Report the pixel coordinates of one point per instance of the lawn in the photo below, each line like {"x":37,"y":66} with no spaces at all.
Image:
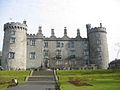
{"x":99,"y":79}
{"x":6,"y":76}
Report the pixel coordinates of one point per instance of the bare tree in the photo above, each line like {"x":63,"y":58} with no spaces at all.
{"x":118,"y":49}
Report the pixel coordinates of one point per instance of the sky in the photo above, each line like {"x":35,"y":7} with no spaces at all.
{"x":58,"y":14}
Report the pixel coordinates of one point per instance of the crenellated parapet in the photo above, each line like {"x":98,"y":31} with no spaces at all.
{"x":95,"y":29}
{"x":31,"y":35}
{"x":15,"y":25}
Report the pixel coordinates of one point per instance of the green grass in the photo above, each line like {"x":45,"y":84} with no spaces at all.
{"x":6,"y":76}
{"x":100,"y":79}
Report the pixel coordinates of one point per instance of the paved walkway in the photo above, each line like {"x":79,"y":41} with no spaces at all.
{"x":39,"y":80}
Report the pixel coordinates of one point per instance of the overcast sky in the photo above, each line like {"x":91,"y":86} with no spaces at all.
{"x":60,"y":13}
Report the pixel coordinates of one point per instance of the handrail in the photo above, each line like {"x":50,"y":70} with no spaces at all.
{"x":31,"y":72}
{"x":57,"y":86}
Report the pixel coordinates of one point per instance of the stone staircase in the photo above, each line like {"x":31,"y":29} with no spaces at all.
{"x":45,"y":78}
{"x":39,"y":80}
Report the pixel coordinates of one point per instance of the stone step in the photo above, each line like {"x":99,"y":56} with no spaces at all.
{"x":42,"y":72}
{"x":40,"y":83}
{"x":41,"y":78}
{"x":33,"y":87}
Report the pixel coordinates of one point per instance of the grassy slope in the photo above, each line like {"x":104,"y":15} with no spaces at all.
{"x":6,"y":76}
{"x":100,"y":79}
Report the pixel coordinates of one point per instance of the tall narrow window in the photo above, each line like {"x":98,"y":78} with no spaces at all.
{"x":68,"y":45}
{"x":12,"y":40}
{"x":72,"y":54}
{"x":32,"y":42}
{"x":72,"y":44}
{"x":45,"y":52}
{"x":58,"y":44}
{"x":62,"y":44}
{"x":11,"y":55}
{"x":46,"y":44}
{"x":58,"y":54}
{"x":32,"y":55}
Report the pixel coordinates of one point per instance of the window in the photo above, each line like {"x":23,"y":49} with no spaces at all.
{"x":12,"y":40}
{"x":58,"y":52}
{"x":97,"y":35}
{"x":45,"y":53}
{"x":72,"y":56}
{"x":71,"y":44}
{"x":68,"y":45}
{"x":62,"y":44}
{"x":86,"y":57}
{"x":72,"y":52}
{"x":98,"y":41}
{"x":99,"y":58}
{"x":32,"y":42}
{"x":11,"y":55}
{"x":58,"y":44}
{"x":86,"y":53}
{"x":12,"y":32}
{"x":46,"y":44}
{"x":86,"y":45}
{"x":99,"y":49}
{"x":32,"y":55}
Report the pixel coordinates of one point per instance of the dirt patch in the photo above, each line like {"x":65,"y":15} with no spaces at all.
{"x":78,"y":82}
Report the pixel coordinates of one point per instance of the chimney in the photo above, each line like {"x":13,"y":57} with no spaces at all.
{"x":100,"y":24}
{"x":24,"y":22}
{"x":65,"y":31}
{"x":52,"y":32}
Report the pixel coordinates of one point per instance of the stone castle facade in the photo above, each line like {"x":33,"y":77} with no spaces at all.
{"x":25,"y":51}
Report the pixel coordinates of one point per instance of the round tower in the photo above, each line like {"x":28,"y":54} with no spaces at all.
{"x":98,"y":47}
{"x":14,"y":46}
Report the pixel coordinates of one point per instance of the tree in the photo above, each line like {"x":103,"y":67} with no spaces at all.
{"x":0,"y":57}
{"x":118,"y":49}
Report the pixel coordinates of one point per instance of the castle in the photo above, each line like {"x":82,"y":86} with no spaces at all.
{"x":26,"y":51}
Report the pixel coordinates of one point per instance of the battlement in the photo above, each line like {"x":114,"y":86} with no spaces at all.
{"x":96,"y":29}
{"x":15,"y":25}
{"x":31,"y":35}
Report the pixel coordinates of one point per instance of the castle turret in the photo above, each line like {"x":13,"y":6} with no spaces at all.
{"x":98,"y":47}
{"x":14,"y":46}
